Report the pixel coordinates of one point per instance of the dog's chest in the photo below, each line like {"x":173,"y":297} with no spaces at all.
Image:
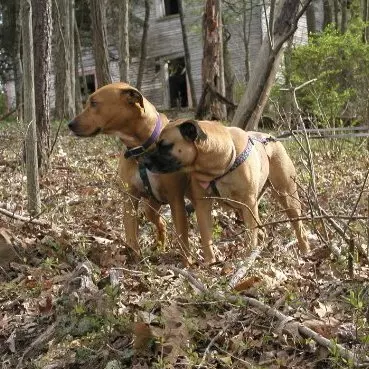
{"x":148,"y":187}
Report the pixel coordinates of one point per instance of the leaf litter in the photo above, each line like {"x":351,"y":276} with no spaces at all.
{"x":71,"y":297}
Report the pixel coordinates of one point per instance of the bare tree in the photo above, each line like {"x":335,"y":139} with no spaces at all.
{"x":42,"y":25}
{"x":64,"y":96}
{"x":79,"y":64}
{"x":124,"y":40}
{"x":100,"y":42}
{"x":257,"y":92}
{"x":29,"y":118}
{"x":212,"y":64}
{"x":187,"y":54}
{"x":18,"y":67}
{"x":365,"y":19}
{"x":143,"y":53}
{"x":344,"y":16}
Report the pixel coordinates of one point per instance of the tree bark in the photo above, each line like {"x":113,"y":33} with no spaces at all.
{"x":365,"y":19}
{"x":78,"y":51}
{"x":18,"y":67}
{"x":72,"y":51}
{"x":311,"y":19}
{"x":229,"y":75}
{"x":100,"y":42}
{"x":64,"y":103}
{"x":29,"y":118}
{"x":212,"y":63}
{"x":328,"y":13}
{"x":253,"y":101}
{"x":187,"y":54}
{"x":42,"y":25}
{"x":344,"y":16}
{"x":124,"y":40}
{"x":143,"y":53}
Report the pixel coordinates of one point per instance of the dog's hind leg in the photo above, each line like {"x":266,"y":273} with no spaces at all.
{"x":291,"y":205}
{"x":250,"y":215}
{"x":284,"y":189}
{"x":151,"y":209}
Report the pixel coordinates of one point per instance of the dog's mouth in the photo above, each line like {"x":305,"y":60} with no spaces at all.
{"x":83,"y":134}
{"x":161,"y":164}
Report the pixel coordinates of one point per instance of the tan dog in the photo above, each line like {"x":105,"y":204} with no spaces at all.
{"x":230,"y":163}
{"x":121,"y":110}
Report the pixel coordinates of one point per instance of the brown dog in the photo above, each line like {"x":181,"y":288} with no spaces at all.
{"x":121,"y":110}
{"x":230,"y":163}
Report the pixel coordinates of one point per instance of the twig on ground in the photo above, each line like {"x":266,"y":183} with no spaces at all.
{"x":38,"y":342}
{"x":22,"y":218}
{"x":357,"y":201}
{"x":289,"y":326}
{"x":211,"y":343}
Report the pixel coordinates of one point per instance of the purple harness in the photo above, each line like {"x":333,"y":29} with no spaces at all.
{"x":241,"y":158}
{"x":139,"y":150}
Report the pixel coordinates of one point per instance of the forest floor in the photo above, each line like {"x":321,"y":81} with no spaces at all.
{"x":71,"y":297}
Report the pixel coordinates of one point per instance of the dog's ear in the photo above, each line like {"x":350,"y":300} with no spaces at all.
{"x":191,"y":131}
{"x":134,"y":97}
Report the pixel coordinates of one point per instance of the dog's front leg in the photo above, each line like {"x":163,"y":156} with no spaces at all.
{"x":204,"y":220}
{"x":130,"y":221}
{"x":177,"y":207}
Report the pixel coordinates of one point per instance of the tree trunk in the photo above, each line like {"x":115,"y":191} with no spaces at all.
{"x":365,"y":19}
{"x":328,"y":13}
{"x":143,"y":53}
{"x":29,"y":119}
{"x":311,"y":19}
{"x":262,"y":78}
{"x":78,"y":93}
{"x":229,"y":75}
{"x":335,"y":12}
{"x":100,"y":42}
{"x":78,"y":50}
{"x":72,"y":50}
{"x":344,"y":16}
{"x":124,"y":40}
{"x":18,"y":68}
{"x":42,"y":25}
{"x":187,"y":54}
{"x":212,"y":64}
{"x":64,"y":103}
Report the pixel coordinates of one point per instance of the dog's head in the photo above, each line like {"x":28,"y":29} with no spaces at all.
{"x":108,"y":110}
{"x":176,"y":149}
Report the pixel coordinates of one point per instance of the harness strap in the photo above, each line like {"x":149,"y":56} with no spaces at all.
{"x":241,"y":158}
{"x":139,"y":150}
{"x":146,"y":182}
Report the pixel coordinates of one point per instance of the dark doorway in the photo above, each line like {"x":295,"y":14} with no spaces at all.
{"x":90,"y":82}
{"x":177,"y":83}
{"x":171,"y":7}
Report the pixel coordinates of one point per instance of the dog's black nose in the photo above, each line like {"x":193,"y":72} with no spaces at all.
{"x":72,"y":124}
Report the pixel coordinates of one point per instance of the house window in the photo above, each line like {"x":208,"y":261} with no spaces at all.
{"x":170,"y":7}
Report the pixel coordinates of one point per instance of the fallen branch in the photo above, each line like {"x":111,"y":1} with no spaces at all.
{"x":43,"y":338}
{"x":287,"y":324}
{"x":22,"y":218}
{"x":8,"y":114}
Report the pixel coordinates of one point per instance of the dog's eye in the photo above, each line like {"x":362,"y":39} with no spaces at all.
{"x":93,"y":103}
{"x":164,"y":147}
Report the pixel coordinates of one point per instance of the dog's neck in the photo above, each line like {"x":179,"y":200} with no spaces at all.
{"x":222,"y":163}
{"x":142,"y":128}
